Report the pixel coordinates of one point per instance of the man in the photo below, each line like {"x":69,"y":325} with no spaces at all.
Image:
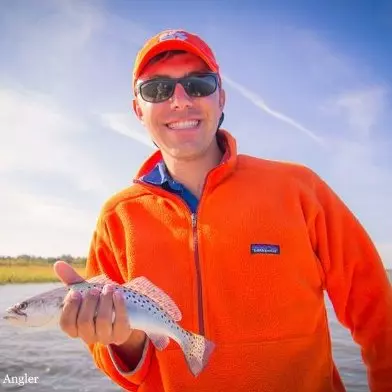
{"x":246,"y":247}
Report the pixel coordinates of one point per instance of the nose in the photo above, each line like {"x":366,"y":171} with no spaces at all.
{"x":180,"y":99}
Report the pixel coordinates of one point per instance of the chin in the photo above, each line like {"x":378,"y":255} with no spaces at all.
{"x":187,"y":153}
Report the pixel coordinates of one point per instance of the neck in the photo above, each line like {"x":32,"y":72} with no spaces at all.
{"x":192,"y":173}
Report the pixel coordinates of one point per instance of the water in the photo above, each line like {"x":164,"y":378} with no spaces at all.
{"x":61,"y":363}
{"x":64,"y":364}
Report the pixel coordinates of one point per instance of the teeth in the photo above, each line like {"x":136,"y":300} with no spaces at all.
{"x":183,"y":124}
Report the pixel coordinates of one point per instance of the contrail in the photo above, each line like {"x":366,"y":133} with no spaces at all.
{"x":256,"y":100}
{"x":120,"y":123}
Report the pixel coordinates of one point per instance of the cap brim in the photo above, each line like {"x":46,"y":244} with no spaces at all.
{"x":173,"y":44}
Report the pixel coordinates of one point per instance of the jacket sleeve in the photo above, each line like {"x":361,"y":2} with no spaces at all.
{"x":101,"y":259}
{"x":356,"y":282}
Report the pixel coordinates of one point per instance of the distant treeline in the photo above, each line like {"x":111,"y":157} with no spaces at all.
{"x":34,"y":260}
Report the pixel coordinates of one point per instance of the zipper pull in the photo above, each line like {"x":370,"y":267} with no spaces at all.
{"x":193,"y":219}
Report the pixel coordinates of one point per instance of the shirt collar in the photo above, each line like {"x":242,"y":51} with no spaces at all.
{"x":159,"y":175}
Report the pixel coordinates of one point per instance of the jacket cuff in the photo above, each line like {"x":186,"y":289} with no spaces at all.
{"x":138,"y":374}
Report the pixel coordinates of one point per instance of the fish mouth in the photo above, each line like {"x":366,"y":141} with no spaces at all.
{"x":10,"y":317}
{"x":12,"y":313}
{"x":15,"y":318}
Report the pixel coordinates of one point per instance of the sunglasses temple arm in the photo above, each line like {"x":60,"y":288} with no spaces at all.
{"x":222,"y":117}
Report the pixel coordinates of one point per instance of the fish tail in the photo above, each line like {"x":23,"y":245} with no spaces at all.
{"x":197,"y":351}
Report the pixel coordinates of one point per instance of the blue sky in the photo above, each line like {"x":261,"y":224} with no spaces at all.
{"x":308,"y":82}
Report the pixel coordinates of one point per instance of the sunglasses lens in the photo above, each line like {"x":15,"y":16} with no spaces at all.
{"x":160,"y":90}
{"x":157,"y":90}
{"x":200,"y":86}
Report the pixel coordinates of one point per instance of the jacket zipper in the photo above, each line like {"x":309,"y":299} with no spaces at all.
{"x":195,"y":252}
{"x":198,"y":275}
{"x":196,"y":258}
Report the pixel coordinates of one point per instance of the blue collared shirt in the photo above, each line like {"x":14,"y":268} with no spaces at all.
{"x":160,"y":176}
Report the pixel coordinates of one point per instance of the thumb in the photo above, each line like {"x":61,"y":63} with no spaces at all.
{"x":66,"y":273}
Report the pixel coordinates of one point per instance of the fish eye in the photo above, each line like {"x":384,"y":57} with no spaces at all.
{"x":23,"y":305}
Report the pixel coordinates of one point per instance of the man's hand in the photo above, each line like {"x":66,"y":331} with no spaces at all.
{"x":78,"y":315}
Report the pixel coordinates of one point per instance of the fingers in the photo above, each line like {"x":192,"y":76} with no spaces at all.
{"x":85,"y":321}
{"x":69,"y":315}
{"x":121,"y":327}
{"x":90,"y":318}
{"x":103,"y":323}
{"x":66,"y":273}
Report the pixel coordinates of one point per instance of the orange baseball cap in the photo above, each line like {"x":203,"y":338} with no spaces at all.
{"x":174,"y":40}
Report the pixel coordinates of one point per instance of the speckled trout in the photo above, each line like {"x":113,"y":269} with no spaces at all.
{"x":149,"y":309}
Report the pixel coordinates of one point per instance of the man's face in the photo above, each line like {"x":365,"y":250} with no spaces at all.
{"x":165,"y":121}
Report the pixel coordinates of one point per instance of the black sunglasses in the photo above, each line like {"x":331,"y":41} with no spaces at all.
{"x":161,"y":89}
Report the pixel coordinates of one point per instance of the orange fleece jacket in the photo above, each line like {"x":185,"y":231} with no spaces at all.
{"x":264,"y":311}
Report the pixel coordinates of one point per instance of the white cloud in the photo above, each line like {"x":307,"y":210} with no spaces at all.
{"x":57,"y":34}
{"x":322,"y":60}
{"x":43,"y":211}
{"x":43,"y":225}
{"x":361,"y":109}
{"x":37,"y":136}
{"x":385,"y":250}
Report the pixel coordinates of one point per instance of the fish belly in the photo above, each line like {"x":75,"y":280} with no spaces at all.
{"x":142,"y":319}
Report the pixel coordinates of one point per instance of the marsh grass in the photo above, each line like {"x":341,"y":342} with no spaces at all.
{"x":30,"y":273}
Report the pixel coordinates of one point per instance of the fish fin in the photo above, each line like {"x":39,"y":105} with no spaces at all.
{"x":159,"y":341}
{"x":143,"y":286}
{"x":101,"y":279}
{"x":197,"y":351}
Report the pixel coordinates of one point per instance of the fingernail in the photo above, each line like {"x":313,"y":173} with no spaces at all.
{"x":94,"y":291}
{"x":75,"y":294}
{"x":117,"y":295}
{"x":107,"y":289}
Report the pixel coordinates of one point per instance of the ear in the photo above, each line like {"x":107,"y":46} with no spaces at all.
{"x":137,"y":109}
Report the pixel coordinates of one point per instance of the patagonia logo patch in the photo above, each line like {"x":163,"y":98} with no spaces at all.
{"x":267,"y":249}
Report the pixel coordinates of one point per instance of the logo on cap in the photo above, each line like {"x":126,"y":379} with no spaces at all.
{"x":173,"y":34}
